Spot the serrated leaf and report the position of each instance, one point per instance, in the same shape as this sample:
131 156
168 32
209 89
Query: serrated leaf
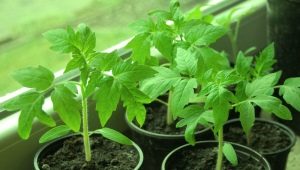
95 78
186 61
67 107
230 154
263 85
128 73
105 61
247 116
34 77
30 105
74 63
204 34
163 44
136 110
212 59
60 40
114 136
140 46
191 116
181 95
28 111
164 80
273 105
291 92
243 64
55 133
265 61
85 38
107 98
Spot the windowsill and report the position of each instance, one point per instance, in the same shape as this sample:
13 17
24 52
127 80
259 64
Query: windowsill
17 150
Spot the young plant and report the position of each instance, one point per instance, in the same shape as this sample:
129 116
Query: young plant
105 76
183 41
247 85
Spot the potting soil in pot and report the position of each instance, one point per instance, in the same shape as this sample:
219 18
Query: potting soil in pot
106 155
205 159
265 137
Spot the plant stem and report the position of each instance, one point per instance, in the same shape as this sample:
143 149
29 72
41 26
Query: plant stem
220 149
169 114
85 129
162 102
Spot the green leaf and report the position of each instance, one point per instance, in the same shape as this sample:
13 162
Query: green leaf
243 64
230 154
220 112
95 78
105 61
265 61
60 40
136 110
107 98
164 80
44 118
247 116
34 77
263 85
67 107
164 44
212 59
186 61
55 133
30 104
114 136
191 115
85 38
291 92
128 73
140 46
75 63
181 95
204 34
273 105
143 25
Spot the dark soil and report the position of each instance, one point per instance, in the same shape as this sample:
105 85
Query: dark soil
106 155
156 121
205 159
265 137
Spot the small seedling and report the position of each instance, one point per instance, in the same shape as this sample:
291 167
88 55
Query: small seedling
103 76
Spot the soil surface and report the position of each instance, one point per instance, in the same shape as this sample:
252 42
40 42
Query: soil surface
106 155
205 159
265 137
156 121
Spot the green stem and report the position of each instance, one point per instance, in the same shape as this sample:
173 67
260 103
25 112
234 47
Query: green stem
162 102
220 149
85 129
169 114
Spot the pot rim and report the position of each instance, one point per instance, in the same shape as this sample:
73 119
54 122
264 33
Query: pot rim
241 147
159 135
41 149
289 132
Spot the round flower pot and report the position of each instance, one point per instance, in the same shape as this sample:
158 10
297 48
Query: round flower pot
204 154
271 139
106 154
156 146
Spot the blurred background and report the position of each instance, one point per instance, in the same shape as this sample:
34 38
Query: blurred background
24 21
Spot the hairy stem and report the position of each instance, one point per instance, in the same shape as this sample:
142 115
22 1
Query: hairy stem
85 129
220 149
169 114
